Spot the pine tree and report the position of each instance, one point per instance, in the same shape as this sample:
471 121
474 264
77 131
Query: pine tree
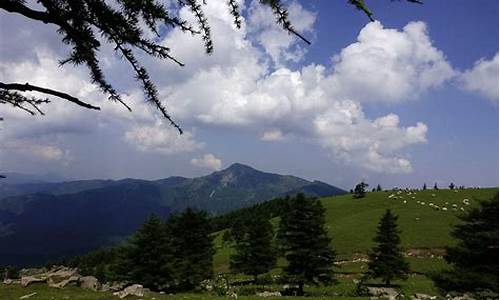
379 188
305 243
436 186
474 259
424 187
452 186
147 257
386 259
255 253
191 244
359 190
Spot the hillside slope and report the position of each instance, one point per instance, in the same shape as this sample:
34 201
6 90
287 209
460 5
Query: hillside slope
352 222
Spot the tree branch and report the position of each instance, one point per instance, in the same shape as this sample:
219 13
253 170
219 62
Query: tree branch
28 87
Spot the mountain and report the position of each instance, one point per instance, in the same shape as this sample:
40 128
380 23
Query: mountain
45 220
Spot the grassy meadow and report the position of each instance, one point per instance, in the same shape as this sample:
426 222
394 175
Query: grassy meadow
351 224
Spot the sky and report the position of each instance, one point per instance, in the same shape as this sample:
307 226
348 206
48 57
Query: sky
411 98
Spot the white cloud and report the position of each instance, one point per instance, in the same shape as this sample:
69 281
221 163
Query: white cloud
388 65
207 161
277 43
483 78
272 135
374 145
36 151
246 84
161 138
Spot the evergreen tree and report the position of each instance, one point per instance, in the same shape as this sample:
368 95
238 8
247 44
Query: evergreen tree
192 248
474 259
147 258
424 187
379 188
436 186
305 243
359 190
451 186
386 259
255 253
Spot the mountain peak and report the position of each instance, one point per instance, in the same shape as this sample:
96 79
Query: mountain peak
239 166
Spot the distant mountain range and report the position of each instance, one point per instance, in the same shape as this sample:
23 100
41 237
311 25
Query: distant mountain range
46 220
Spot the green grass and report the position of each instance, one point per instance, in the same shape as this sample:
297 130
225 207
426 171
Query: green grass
351 224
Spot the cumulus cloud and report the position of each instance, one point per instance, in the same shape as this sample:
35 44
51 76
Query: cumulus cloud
248 84
483 78
277 43
31 149
372 144
161 138
207 161
389 65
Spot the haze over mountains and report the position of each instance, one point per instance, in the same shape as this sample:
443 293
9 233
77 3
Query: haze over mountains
41 221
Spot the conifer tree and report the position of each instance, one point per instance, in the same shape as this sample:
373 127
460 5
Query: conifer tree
255 253
386 259
474 259
192 248
424 187
436 186
147 258
379 188
305 243
359 190
452 186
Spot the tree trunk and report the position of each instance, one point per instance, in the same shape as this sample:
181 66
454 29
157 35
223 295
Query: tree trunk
301 289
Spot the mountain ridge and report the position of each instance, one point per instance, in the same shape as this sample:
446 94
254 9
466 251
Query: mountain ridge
39 221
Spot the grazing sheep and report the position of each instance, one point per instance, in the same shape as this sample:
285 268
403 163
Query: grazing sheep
433 195
462 209
444 208
454 205
404 201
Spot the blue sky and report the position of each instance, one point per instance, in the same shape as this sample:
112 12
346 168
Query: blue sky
266 99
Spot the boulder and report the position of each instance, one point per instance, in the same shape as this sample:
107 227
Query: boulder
269 294
133 290
112 286
62 276
420 296
383 292
27 280
89 282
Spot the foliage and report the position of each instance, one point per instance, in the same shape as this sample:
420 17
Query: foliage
386 258
147 258
305 243
474 259
255 253
359 190
191 243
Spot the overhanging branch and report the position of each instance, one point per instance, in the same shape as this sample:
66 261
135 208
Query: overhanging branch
29 87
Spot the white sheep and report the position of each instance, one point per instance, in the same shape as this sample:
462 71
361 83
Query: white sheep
444 208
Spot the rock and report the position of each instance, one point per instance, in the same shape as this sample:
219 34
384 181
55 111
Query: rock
134 290
8 281
269 294
384 292
420 296
62 276
27 280
112 286
89 282
28 296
